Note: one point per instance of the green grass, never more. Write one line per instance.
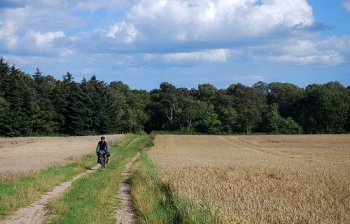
(21, 192)
(93, 198)
(155, 202)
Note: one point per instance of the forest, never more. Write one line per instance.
(40, 105)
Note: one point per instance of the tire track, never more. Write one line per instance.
(126, 214)
(238, 144)
(35, 213)
(273, 152)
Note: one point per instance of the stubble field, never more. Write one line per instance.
(260, 179)
(19, 156)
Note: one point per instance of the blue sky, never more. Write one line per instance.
(184, 42)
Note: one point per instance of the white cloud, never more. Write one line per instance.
(326, 52)
(156, 25)
(346, 5)
(217, 55)
(126, 31)
(45, 38)
(168, 31)
(332, 58)
(340, 44)
(8, 34)
(206, 20)
(65, 52)
(93, 5)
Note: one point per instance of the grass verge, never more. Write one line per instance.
(155, 202)
(21, 192)
(92, 199)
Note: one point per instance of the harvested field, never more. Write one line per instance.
(23, 155)
(260, 179)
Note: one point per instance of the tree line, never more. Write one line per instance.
(42, 105)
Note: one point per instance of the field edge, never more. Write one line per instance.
(155, 202)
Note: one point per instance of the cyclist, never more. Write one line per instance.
(102, 145)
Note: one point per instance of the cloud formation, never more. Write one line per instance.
(141, 33)
(8, 34)
(303, 52)
(42, 39)
(206, 30)
(346, 4)
(220, 20)
(213, 55)
(176, 26)
(127, 31)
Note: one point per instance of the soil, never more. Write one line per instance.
(126, 214)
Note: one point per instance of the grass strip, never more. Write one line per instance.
(21, 192)
(93, 198)
(155, 202)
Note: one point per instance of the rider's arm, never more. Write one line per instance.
(98, 148)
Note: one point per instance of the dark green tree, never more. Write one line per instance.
(138, 101)
(78, 119)
(18, 94)
(276, 124)
(129, 107)
(323, 110)
(60, 96)
(163, 108)
(120, 94)
(99, 107)
(286, 96)
(347, 92)
(209, 122)
(44, 112)
(226, 109)
(191, 112)
(250, 103)
(206, 93)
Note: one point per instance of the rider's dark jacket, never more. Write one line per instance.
(102, 146)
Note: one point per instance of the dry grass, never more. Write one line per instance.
(24, 156)
(261, 179)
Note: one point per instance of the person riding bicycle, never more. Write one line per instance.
(102, 145)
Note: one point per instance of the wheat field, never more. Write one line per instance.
(260, 179)
(26, 155)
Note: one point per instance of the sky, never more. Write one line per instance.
(185, 42)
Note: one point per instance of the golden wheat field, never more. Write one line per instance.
(19, 156)
(260, 179)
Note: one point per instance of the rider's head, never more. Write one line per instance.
(103, 138)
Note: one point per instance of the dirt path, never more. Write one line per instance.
(35, 213)
(126, 214)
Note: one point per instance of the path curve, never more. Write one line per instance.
(35, 213)
(126, 214)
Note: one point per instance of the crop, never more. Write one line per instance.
(260, 179)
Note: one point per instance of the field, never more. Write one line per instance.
(260, 179)
(77, 192)
(23, 155)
